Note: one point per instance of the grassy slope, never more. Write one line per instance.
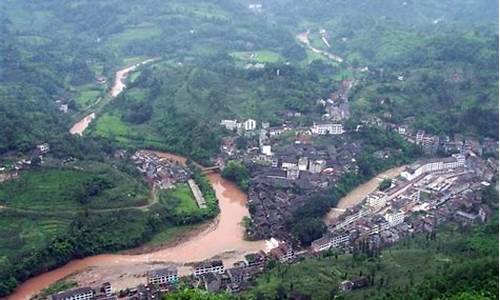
(61, 189)
(399, 267)
(182, 198)
(20, 233)
(41, 204)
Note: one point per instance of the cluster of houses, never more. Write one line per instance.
(336, 107)
(105, 292)
(283, 171)
(425, 194)
(210, 275)
(11, 170)
(247, 125)
(432, 144)
(288, 178)
(160, 171)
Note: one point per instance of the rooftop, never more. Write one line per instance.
(70, 293)
(163, 272)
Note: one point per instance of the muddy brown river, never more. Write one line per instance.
(222, 238)
(357, 195)
(118, 87)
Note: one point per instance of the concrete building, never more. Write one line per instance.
(376, 200)
(249, 125)
(330, 241)
(214, 266)
(230, 124)
(394, 219)
(283, 253)
(316, 166)
(43, 148)
(107, 289)
(83, 293)
(432, 165)
(328, 128)
(303, 163)
(165, 275)
(266, 149)
(289, 163)
(292, 173)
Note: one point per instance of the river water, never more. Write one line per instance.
(357, 195)
(222, 239)
(118, 87)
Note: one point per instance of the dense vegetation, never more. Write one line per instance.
(419, 54)
(69, 189)
(55, 215)
(458, 263)
(237, 172)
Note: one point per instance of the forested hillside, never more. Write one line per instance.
(427, 64)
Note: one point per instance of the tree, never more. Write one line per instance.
(385, 184)
(308, 230)
(238, 173)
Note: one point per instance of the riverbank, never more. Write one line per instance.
(357, 195)
(221, 239)
(117, 87)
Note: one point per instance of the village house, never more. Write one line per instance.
(161, 276)
(327, 128)
(63, 108)
(83, 293)
(355, 283)
(255, 259)
(283, 253)
(212, 282)
(230, 124)
(214, 266)
(107, 289)
(266, 150)
(432, 165)
(395, 218)
(331, 240)
(43, 148)
(100, 79)
(316, 166)
(289, 163)
(250, 125)
(292, 173)
(376, 200)
(303, 163)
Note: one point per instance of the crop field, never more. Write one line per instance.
(181, 198)
(69, 190)
(264, 56)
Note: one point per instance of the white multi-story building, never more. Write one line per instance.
(303, 163)
(394, 219)
(330, 241)
(166, 275)
(352, 218)
(214, 266)
(266, 149)
(402, 130)
(328, 128)
(316, 166)
(288, 163)
(376, 200)
(83, 293)
(249, 125)
(432, 165)
(230, 124)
